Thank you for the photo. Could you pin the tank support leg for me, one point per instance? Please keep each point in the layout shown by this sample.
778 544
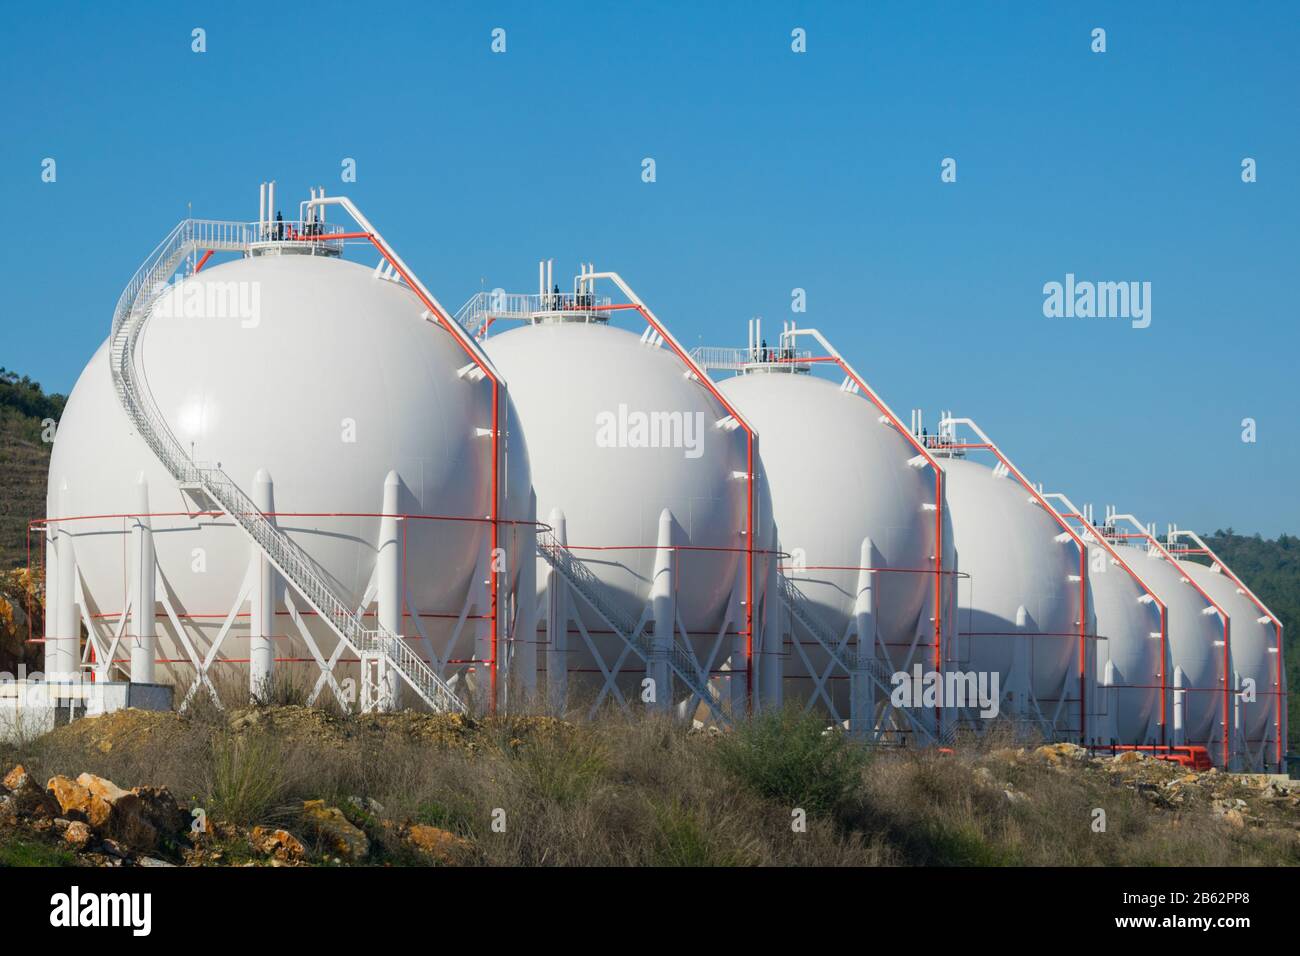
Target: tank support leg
1179 694
143 605
1240 748
557 625
1107 728
771 660
390 572
662 601
62 649
524 643
862 690
261 622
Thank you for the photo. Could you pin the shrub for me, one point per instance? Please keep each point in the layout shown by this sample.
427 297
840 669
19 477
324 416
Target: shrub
246 781
790 756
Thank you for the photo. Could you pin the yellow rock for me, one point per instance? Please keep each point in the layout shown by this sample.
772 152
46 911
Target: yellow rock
333 829
442 845
72 796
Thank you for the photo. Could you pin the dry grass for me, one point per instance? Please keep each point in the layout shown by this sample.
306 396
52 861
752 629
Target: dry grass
536 791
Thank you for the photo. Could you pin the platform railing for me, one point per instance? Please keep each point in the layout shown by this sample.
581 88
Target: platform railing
727 359
483 307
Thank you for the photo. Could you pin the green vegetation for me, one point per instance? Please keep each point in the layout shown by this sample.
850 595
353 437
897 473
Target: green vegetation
24 460
534 791
790 756
23 850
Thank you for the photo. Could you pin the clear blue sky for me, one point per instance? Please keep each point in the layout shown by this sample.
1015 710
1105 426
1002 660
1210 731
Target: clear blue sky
775 170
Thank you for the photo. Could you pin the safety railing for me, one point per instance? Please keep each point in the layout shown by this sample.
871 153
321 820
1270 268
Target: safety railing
736 359
484 307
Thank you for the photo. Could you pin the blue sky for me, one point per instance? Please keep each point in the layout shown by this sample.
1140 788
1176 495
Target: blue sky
774 171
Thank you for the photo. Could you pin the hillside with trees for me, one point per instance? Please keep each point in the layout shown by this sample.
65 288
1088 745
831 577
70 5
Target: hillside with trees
25 411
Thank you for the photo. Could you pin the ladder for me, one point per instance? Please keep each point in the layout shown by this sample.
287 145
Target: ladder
129 318
589 587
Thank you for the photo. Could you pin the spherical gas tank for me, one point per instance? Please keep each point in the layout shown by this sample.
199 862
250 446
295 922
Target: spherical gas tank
617 433
838 477
1194 638
1254 645
325 377
1010 557
1128 638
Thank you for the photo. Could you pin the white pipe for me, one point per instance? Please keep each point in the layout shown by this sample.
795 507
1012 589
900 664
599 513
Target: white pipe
261 622
261 211
143 604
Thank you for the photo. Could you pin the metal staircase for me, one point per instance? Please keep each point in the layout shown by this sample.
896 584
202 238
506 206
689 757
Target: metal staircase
129 318
589 587
800 608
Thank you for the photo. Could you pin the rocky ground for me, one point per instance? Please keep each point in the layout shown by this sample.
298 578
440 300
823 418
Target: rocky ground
298 786
91 821
1241 800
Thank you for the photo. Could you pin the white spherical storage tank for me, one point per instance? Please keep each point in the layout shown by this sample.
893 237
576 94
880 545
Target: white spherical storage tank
314 383
840 477
619 433
1019 600
1254 656
1128 640
1194 637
